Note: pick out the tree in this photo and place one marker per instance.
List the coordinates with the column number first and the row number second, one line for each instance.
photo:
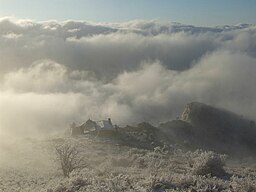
column 69, row 157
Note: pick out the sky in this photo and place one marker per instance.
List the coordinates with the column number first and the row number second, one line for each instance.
column 196, row 12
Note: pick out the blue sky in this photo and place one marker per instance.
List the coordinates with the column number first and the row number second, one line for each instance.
column 197, row 12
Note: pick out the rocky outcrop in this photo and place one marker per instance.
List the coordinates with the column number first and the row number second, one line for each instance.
column 199, row 114
column 205, row 126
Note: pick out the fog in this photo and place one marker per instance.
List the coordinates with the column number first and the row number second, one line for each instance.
column 54, row 73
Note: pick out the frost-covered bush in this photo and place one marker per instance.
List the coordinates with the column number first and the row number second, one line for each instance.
column 160, row 184
column 69, row 158
column 60, row 188
column 209, row 163
column 73, row 184
column 243, row 184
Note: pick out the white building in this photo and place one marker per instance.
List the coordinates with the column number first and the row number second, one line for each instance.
column 104, row 124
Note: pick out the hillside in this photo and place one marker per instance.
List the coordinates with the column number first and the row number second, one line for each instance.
column 199, row 126
column 208, row 127
column 143, row 135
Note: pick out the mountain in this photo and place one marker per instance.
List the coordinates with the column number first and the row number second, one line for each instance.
column 208, row 127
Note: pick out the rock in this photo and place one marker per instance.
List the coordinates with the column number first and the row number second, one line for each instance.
column 211, row 128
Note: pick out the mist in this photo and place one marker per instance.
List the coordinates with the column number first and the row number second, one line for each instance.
column 54, row 73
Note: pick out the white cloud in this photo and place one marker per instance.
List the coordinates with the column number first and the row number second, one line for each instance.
column 55, row 73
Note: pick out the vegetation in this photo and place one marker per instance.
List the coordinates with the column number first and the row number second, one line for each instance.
column 116, row 168
column 209, row 163
column 69, row 158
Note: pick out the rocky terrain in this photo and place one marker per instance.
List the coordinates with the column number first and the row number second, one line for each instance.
column 211, row 128
column 199, row 126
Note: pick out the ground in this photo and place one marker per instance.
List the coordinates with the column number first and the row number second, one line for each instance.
column 32, row 166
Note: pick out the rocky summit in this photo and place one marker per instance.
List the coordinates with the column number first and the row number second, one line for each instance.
column 205, row 126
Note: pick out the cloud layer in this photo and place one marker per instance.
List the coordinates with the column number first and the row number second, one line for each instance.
column 54, row 73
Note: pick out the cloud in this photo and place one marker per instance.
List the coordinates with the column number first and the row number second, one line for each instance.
column 106, row 53
column 54, row 73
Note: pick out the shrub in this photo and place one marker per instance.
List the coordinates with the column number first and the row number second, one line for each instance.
column 209, row 163
column 69, row 158
column 243, row 184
